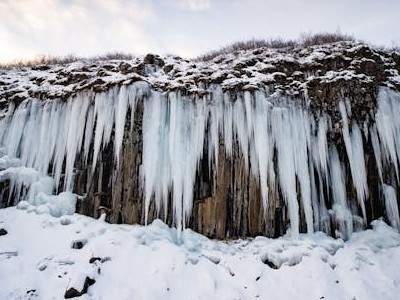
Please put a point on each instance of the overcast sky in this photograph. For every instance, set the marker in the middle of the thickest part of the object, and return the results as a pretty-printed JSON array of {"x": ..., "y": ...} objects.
[{"x": 185, "y": 27}]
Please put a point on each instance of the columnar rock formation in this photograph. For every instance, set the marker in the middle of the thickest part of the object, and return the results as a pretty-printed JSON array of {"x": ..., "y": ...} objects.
[{"x": 265, "y": 141}]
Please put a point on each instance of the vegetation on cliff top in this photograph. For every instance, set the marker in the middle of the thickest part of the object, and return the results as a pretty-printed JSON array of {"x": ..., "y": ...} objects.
[{"x": 305, "y": 40}]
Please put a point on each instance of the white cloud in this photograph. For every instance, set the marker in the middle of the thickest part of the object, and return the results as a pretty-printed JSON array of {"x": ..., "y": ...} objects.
[
  {"x": 197, "y": 4},
  {"x": 32, "y": 27},
  {"x": 184, "y": 27},
  {"x": 186, "y": 5}
]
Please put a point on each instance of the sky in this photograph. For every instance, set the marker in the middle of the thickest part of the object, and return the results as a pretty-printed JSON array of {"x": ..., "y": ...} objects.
[{"x": 30, "y": 28}]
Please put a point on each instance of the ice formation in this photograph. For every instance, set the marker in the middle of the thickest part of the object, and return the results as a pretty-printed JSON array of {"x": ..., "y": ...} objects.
[{"x": 281, "y": 142}]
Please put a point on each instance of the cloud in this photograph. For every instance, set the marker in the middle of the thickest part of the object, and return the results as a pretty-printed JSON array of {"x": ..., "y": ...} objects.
[
  {"x": 186, "y": 5},
  {"x": 183, "y": 27},
  {"x": 197, "y": 5},
  {"x": 32, "y": 27}
]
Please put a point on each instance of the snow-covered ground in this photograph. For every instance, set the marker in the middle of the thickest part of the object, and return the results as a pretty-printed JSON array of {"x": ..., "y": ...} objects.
[{"x": 41, "y": 257}]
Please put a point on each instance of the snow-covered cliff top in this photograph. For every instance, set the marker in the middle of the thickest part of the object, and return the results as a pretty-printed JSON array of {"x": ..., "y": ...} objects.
[{"x": 294, "y": 72}]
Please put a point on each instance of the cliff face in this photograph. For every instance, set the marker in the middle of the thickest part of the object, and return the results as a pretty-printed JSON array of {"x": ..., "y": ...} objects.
[{"x": 254, "y": 142}]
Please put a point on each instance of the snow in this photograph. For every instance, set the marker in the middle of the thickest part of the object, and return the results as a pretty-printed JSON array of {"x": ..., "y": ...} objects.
[
  {"x": 234, "y": 69},
  {"x": 37, "y": 261}
]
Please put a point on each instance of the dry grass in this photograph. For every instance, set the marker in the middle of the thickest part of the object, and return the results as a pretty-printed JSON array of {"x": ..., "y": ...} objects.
[
  {"x": 63, "y": 60},
  {"x": 309, "y": 39},
  {"x": 305, "y": 40},
  {"x": 40, "y": 60}
]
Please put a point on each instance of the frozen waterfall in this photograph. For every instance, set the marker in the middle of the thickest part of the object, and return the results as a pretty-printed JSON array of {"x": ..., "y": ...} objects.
[{"x": 283, "y": 145}]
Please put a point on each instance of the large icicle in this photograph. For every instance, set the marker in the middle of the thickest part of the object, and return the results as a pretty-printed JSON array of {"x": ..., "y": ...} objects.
[
  {"x": 388, "y": 126},
  {"x": 173, "y": 138},
  {"x": 263, "y": 147},
  {"x": 392, "y": 209},
  {"x": 355, "y": 154},
  {"x": 341, "y": 213},
  {"x": 283, "y": 134}
]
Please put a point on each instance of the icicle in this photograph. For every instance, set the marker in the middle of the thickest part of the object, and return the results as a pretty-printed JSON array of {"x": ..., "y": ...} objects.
[
  {"x": 281, "y": 130},
  {"x": 15, "y": 133},
  {"x": 263, "y": 147},
  {"x": 392, "y": 210},
  {"x": 240, "y": 129},
  {"x": 103, "y": 113},
  {"x": 388, "y": 126},
  {"x": 77, "y": 109},
  {"x": 216, "y": 118},
  {"x": 120, "y": 116},
  {"x": 322, "y": 149},
  {"x": 153, "y": 118},
  {"x": 89, "y": 125},
  {"x": 377, "y": 151},
  {"x": 342, "y": 215},
  {"x": 228, "y": 120},
  {"x": 355, "y": 154}
]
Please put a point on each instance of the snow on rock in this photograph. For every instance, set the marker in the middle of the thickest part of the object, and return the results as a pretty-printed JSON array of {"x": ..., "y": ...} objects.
[
  {"x": 278, "y": 68},
  {"x": 154, "y": 262}
]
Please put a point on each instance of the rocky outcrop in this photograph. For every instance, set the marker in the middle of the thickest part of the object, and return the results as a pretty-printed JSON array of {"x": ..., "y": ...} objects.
[{"x": 230, "y": 198}]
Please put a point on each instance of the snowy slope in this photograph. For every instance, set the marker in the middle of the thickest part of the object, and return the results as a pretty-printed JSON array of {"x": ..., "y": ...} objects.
[{"x": 37, "y": 261}]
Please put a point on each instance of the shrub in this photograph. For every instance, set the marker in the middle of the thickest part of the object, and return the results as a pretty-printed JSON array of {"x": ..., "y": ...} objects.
[
  {"x": 63, "y": 60},
  {"x": 309, "y": 39},
  {"x": 41, "y": 60},
  {"x": 306, "y": 40}
]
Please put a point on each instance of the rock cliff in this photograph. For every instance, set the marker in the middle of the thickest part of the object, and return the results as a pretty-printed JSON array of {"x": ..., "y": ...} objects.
[{"x": 261, "y": 141}]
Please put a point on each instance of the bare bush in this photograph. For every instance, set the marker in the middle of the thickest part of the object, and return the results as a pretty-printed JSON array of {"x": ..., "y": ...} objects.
[
  {"x": 309, "y": 39},
  {"x": 248, "y": 45},
  {"x": 113, "y": 56},
  {"x": 41, "y": 60},
  {"x": 48, "y": 60},
  {"x": 306, "y": 40}
]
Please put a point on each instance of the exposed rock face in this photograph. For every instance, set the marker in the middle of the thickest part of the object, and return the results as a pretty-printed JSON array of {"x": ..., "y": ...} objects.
[
  {"x": 72, "y": 292},
  {"x": 331, "y": 91}
]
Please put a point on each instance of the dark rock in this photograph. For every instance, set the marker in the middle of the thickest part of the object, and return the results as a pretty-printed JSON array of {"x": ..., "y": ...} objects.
[
  {"x": 125, "y": 68},
  {"x": 76, "y": 77},
  {"x": 107, "y": 258},
  {"x": 102, "y": 73},
  {"x": 168, "y": 68},
  {"x": 270, "y": 264},
  {"x": 109, "y": 67},
  {"x": 3, "y": 232},
  {"x": 72, "y": 292},
  {"x": 79, "y": 244},
  {"x": 153, "y": 60},
  {"x": 94, "y": 259},
  {"x": 41, "y": 67}
]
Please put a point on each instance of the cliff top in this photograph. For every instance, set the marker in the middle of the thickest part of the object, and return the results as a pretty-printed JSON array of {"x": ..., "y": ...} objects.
[{"x": 292, "y": 71}]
